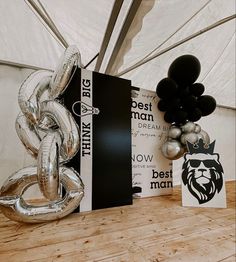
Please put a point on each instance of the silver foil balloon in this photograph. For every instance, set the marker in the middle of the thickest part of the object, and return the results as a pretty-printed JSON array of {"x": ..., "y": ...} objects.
[
  {"x": 48, "y": 166},
  {"x": 67, "y": 126},
  {"x": 30, "y": 92},
  {"x": 28, "y": 134},
  {"x": 172, "y": 149},
  {"x": 174, "y": 132},
  {"x": 200, "y": 136},
  {"x": 188, "y": 127},
  {"x": 14, "y": 206},
  {"x": 197, "y": 128},
  {"x": 49, "y": 132},
  {"x": 205, "y": 137},
  {"x": 65, "y": 70},
  {"x": 190, "y": 137},
  {"x": 46, "y": 123}
]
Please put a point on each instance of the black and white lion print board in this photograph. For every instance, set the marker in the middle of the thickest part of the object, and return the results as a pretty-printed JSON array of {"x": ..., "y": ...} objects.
[{"x": 203, "y": 182}]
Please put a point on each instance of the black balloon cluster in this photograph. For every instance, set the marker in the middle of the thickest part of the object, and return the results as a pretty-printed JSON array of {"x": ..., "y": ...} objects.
[
  {"x": 183, "y": 102},
  {"x": 181, "y": 98}
]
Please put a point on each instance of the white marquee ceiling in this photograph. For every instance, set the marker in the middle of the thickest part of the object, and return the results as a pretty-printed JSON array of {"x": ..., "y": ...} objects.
[{"x": 24, "y": 38}]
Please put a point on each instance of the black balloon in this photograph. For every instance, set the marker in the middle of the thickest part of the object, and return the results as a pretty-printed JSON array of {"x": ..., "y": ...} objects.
[
  {"x": 194, "y": 115},
  {"x": 168, "y": 117},
  {"x": 184, "y": 70},
  {"x": 180, "y": 116},
  {"x": 162, "y": 105},
  {"x": 189, "y": 102},
  {"x": 206, "y": 104},
  {"x": 174, "y": 103},
  {"x": 169, "y": 104},
  {"x": 183, "y": 91},
  {"x": 166, "y": 88},
  {"x": 197, "y": 89}
]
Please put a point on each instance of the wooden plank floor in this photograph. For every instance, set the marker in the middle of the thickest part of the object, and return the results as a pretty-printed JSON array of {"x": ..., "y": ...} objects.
[{"x": 152, "y": 229}]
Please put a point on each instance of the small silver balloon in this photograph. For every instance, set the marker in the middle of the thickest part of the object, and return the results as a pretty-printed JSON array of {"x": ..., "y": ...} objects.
[
  {"x": 15, "y": 208},
  {"x": 188, "y": 127},
  {"x": 200, "y": 136},
  {"x": 64, "y": 71},
  {"x": 190, "y": 137},
  {"x": 48, "y": 166},
  {"x": 172, "y": 149},
  {"x": 205, "y": 137},
  {"x": 28, "y": 135},
  {"x": 174, "y": 132},
  {"x": 197, "y": 128},
  {"x": 67, "y": 126},
  {"x": 30, "y": 92}
]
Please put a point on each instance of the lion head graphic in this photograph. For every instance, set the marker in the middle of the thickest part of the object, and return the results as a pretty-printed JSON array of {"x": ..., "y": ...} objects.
[{"x": 202, "y": 171}]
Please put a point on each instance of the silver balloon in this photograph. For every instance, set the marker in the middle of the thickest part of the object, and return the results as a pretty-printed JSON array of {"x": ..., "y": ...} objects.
[
  {"x": 48, "y": 166},
  {"x": 14, "y": 206},
  {"x": 205, "y": 137},
  {"x": 190, "y": 137},
  {"x": 46, "y": 123},
  {"x": 28, "y": 135},
  {"x": 67, "y": 126},
  {"x": 172, "y": 149},
  {"x": 200, "y": 136},
  {"x": 174, "y": 132},
  {"x": 197, "y": 128},
  {"x": 30, "y": 92},
  {"x": 64, "y": 72},
  {"x": 188, "y": 127}
]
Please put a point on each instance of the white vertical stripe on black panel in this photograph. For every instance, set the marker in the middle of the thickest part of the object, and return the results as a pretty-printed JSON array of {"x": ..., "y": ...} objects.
[{"x": 86, "y": 147}]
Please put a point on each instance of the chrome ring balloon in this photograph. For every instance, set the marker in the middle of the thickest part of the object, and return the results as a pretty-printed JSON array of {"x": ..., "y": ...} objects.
[
  {"x": 15, "y": 207},
  {"x": 66, "y": 67},
  {"x": 28, "y": 134},
  {"x": 67, "y": 127},
  {"x": 30, "y": 92},
  {"x": 48, "y": 166}
]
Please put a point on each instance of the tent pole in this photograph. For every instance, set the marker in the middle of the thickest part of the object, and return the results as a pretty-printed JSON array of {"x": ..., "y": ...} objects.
[
  {"x": 19, "y": 65},
  {"x": 226, "y": 107},
  {"x": 59, "y": 35},
  {"x": 91, "y": 61},
  {"x": 218, "y": 58},
  {"x": 110, "y": 27},
  {"x": 48, "y": 21},
  {"x": 124, "y": 30},
  {"x": 176, "y": 31},
  {"x": 218, "y": 23}
]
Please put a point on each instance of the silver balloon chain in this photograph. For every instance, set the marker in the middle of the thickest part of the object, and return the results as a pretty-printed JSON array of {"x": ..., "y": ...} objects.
[{"x": 50, "y": 134}]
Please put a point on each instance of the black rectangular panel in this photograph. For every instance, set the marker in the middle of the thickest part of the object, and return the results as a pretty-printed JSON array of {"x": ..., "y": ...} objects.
[{"x": 111, "y": 145}]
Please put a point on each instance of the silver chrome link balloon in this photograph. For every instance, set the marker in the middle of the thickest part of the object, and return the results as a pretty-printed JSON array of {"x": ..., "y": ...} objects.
[
  {"x": 48, "y": 166},
  {"x": 15, "y": 207},
  {"x": 64, "y": 71},
  {"x": 28, "y": 134},
  {"x": 50, "y": 134},
  {"x": 30, "y": 92},
  {"x": 67, "y": 127}
]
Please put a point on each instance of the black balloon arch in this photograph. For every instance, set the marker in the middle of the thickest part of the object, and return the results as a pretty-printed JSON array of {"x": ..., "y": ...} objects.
[{"x": 183, "y": 102}]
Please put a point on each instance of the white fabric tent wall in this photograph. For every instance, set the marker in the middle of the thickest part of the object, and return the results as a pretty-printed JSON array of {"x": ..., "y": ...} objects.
[{"x": 13, "y": 155}]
